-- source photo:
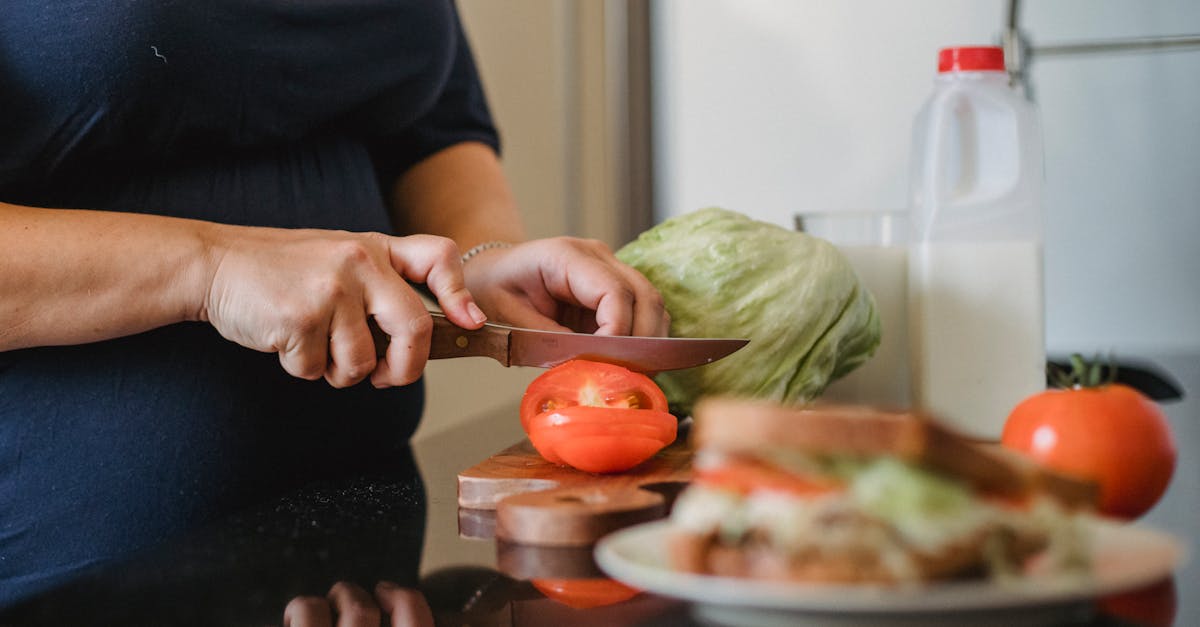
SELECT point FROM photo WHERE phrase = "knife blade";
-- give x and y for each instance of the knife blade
(515, 346)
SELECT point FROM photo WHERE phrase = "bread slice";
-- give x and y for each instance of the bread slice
(744, 426)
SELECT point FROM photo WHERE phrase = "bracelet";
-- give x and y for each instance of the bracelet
(478, 248)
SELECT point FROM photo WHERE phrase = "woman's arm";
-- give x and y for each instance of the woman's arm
(561, 283)
(71, 277)
(461, 193)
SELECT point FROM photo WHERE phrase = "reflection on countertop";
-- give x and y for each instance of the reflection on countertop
(403, 526)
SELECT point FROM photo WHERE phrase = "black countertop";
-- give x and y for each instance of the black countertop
(402, 524)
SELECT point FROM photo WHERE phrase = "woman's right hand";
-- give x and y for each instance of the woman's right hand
(354, 607)
(308, 294)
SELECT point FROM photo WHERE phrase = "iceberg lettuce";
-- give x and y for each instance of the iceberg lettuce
(721, 274)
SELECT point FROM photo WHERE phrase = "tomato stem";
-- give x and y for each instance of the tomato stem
(1083, 373)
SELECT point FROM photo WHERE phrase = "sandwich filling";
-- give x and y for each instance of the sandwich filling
(890, 520)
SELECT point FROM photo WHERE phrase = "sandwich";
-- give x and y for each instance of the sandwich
(850, 494)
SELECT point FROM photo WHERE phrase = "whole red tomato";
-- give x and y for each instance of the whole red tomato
(596, 417)
(1110, 434)
(1154, 605)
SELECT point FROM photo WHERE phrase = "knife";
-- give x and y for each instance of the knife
(515, 346)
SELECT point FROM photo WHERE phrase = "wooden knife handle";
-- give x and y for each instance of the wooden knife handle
(450, 340)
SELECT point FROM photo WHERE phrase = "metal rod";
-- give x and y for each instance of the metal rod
(1117, 45)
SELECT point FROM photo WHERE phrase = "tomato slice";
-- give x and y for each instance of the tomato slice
(598, 439)
(597, 420)
(549, 442)
(592, 384)
(585, 593)
(607, 453)
(745, 476)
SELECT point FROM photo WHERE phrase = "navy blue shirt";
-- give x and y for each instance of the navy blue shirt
(288, 113)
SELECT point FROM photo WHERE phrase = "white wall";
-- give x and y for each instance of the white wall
(773, 107)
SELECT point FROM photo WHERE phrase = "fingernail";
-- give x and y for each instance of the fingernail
(476, 313)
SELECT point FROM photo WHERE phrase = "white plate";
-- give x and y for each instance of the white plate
(1123, 557)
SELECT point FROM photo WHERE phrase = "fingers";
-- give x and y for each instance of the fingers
(570, 284)
(307, 612)
(355, 608)
(400, 314)
(407, 607)
(650, 316)
(435, 262)
(351, 348)
(624, 301)
(305, 353)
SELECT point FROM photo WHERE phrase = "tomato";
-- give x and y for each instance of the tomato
(746, 476)
(600, 439)
(596, 417)
(585, 593)
(591, 383)
(1154, 605)
(1110, 434)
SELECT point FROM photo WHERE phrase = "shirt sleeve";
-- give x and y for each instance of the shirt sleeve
(460, 114)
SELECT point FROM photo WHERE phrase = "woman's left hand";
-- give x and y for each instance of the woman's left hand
(565, 284)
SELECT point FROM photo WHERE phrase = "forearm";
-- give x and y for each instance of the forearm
(71, 277)
(461, 193)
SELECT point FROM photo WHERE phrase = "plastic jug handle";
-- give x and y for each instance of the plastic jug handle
(935, 133)
(941, 115)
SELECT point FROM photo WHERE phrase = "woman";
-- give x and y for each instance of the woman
(192, 241)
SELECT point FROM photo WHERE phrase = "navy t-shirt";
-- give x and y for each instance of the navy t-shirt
(288, 113)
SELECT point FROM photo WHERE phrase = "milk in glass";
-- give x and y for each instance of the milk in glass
(884, 378)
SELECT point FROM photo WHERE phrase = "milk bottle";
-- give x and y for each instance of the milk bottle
(976, 319)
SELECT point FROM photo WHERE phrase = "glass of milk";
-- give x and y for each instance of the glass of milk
(876, 244)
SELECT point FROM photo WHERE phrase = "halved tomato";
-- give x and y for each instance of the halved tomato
(596, 417)
(593, 384)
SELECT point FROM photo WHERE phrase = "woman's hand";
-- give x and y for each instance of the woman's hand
(404, 607)
(308, 295)
(566, 284)
(561, 283)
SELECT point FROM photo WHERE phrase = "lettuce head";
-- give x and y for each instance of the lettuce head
(721, 274)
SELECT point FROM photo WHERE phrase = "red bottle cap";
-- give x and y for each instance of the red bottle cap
(971, 59)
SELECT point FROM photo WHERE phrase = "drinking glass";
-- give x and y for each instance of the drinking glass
(875, 243)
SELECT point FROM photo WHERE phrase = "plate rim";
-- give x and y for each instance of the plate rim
(959, 596)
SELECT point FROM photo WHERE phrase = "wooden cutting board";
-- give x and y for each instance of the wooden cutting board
(544, 504)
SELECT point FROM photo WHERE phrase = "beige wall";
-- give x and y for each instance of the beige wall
(548, 69)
